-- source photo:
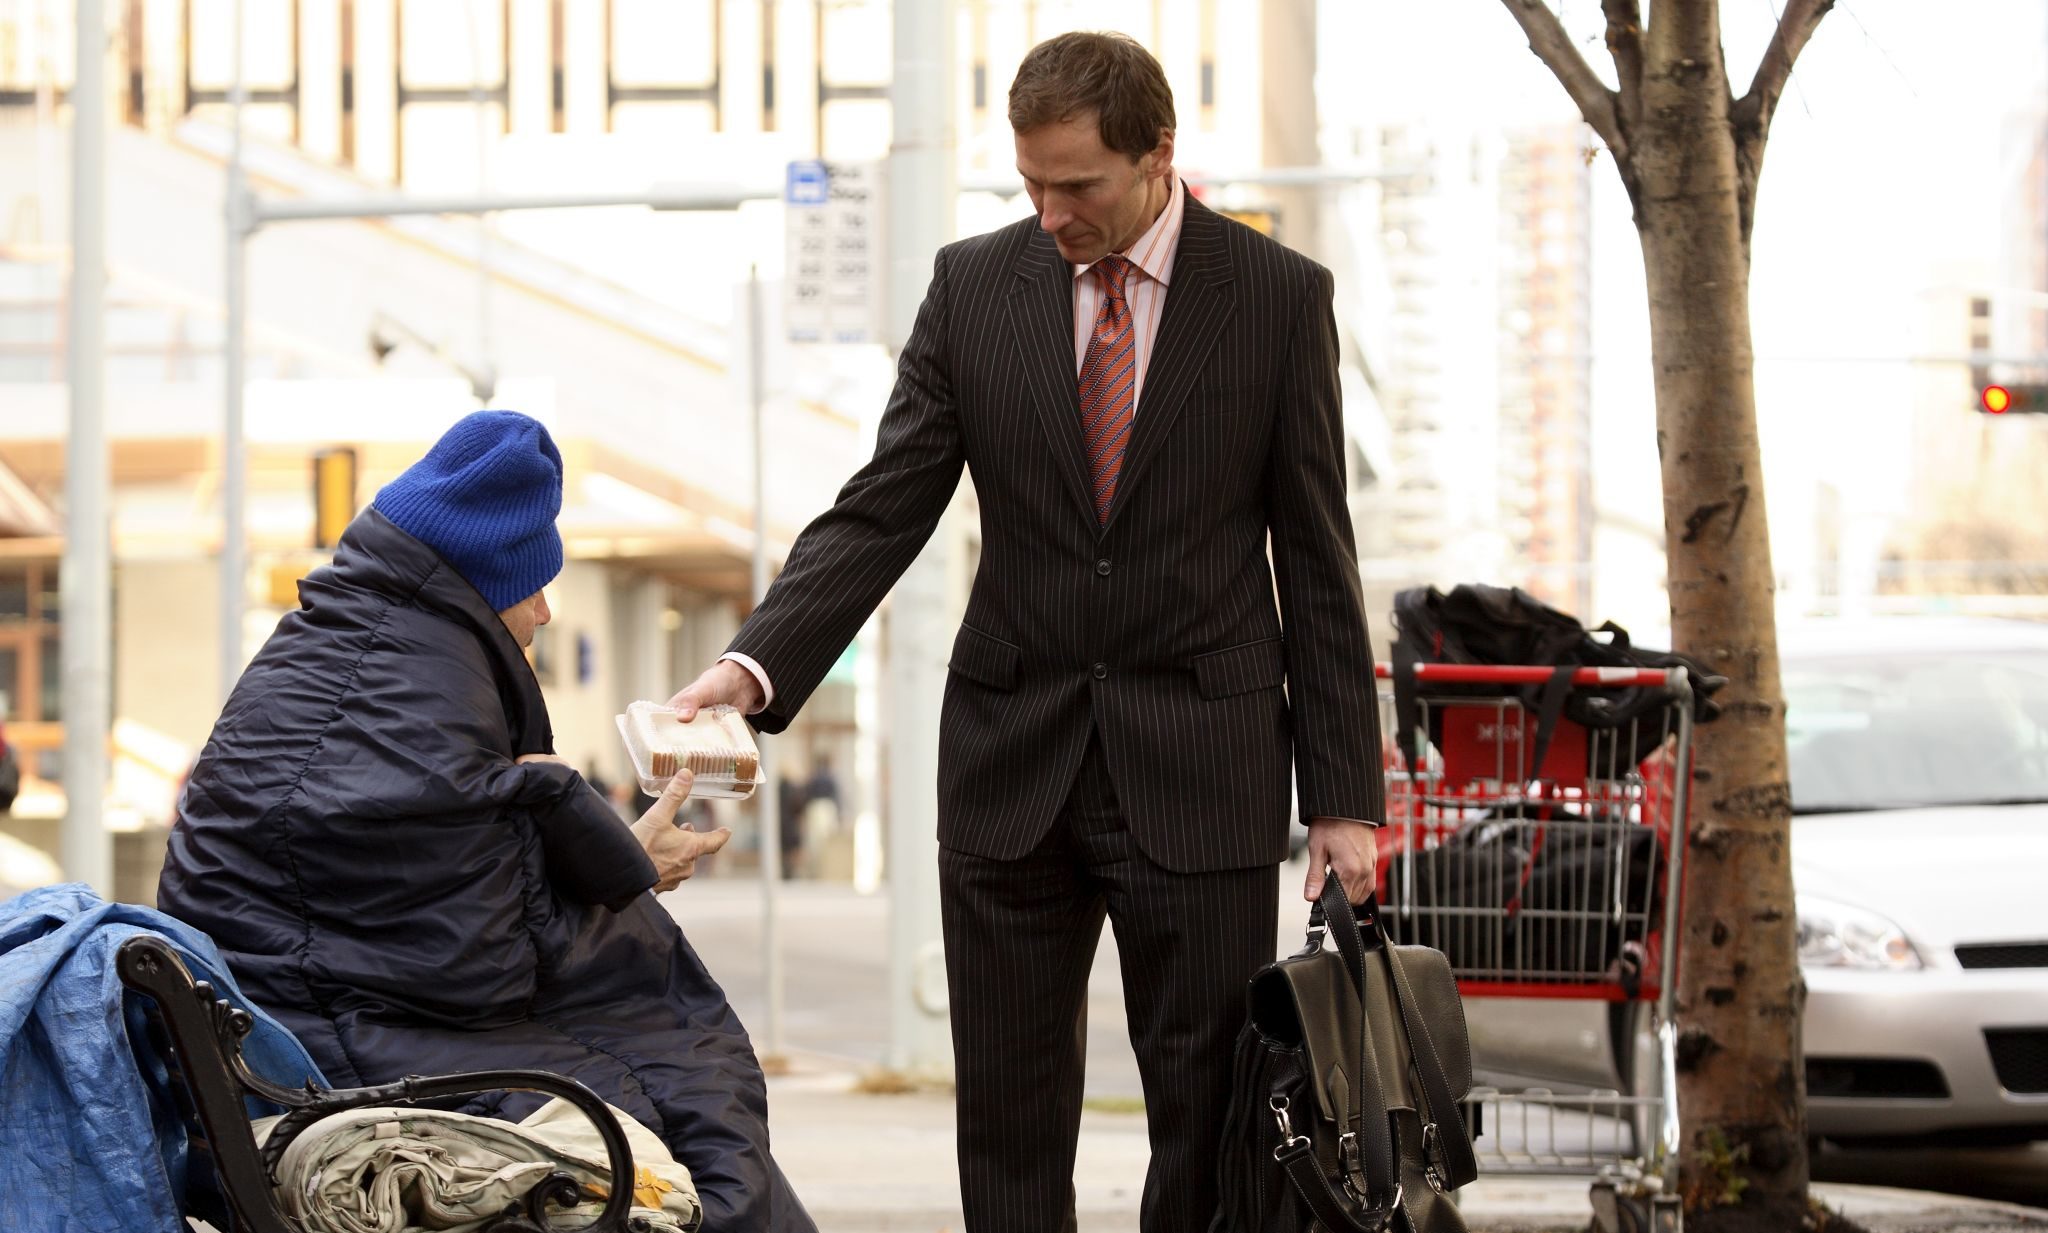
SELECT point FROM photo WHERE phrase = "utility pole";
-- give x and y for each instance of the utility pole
(234, 460)
(768, 795)
(921, 203)
(86, 585)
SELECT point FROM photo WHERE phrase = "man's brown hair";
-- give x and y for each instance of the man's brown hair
(1111, 75)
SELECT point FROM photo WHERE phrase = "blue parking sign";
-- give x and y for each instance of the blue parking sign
(809, 183)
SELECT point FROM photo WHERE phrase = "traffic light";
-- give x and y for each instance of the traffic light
(334, 494)
(2014, 398)
(1980, 343)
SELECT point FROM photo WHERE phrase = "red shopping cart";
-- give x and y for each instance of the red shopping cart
(1544, 860)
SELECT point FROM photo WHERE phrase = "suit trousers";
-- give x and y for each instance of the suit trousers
(1020, 938)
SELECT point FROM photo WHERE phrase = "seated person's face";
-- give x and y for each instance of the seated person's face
(526, 616)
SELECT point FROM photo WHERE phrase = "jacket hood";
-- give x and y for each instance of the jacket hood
(377, 556)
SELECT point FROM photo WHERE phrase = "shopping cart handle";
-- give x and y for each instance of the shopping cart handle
(1538, 674)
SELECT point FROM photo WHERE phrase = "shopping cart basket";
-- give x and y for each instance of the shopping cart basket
(1558, 880)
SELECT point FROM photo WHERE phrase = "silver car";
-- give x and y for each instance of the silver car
(1919, 753)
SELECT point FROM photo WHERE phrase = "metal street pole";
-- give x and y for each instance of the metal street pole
(86, 582)
(921, 201)
(767, 797)
(397, 205)
(234, 464)
(1317, 176)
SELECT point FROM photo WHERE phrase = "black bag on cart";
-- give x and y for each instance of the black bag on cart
(1345, 1099)
(1451, 897)
(1478, 624)
(1543, 894)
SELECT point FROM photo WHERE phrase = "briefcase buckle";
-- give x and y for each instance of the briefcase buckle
(1432, 1159)
(1291, 1144)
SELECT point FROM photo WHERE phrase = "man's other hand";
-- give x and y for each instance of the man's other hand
(723, 682)
(1347, 847)
(673, 849)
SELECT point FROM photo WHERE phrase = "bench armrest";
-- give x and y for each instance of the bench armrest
(205, 1036)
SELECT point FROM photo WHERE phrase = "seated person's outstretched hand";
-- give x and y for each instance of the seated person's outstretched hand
(674, 849)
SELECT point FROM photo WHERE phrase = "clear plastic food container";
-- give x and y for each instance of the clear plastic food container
(716, 747)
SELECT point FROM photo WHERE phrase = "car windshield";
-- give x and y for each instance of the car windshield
(1917, 728)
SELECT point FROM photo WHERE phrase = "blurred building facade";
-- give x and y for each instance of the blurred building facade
(1978, 534)
(1546, 341)
(2023, 322)
(1440, 508)
(1488, 388)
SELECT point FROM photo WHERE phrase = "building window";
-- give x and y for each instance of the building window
(30, 663)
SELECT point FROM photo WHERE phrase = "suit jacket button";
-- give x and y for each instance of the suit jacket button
(1102, 567)
(1101, 671)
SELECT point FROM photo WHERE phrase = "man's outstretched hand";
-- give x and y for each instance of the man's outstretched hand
(674, 849)
(1348, 847)
(723, 682)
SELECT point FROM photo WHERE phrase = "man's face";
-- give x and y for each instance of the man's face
(1092, 200)
(526, 616)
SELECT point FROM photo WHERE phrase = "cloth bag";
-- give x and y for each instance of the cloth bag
(1349, 1072)
(403, 1170)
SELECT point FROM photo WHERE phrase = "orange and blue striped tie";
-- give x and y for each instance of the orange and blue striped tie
(1109, 378)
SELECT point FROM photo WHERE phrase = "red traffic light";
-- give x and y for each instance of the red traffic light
(2013, 398)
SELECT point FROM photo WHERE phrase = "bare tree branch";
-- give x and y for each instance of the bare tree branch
(1625, 44)
(1597, 103)
(1801, 18)
(1751, 114)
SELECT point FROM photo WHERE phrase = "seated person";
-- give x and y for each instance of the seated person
(394, 864)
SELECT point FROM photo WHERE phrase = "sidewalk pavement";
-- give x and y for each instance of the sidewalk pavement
(872, 1163)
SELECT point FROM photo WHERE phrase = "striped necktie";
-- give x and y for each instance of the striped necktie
(1108, 384)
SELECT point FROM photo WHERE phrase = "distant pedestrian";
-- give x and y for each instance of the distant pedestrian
(823, 785)
(789, 808)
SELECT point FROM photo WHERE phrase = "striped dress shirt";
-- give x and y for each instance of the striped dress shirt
(1151, 257)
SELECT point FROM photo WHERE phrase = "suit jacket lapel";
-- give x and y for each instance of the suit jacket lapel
(1041, 312)
(1198, 302)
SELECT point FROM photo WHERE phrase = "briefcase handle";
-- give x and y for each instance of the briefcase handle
(1365, 913)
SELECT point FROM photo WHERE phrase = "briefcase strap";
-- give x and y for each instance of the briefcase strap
(1446, 1153)
(1367, 1153)
(1446, 1157)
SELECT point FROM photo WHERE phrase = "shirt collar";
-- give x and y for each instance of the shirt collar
(1154, 251)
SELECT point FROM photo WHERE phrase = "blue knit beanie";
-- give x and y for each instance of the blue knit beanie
(485, 498)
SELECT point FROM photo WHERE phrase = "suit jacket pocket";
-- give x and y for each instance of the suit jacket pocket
(1241, 669)
(985, 658)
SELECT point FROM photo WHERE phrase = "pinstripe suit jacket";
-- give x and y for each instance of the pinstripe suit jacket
(1162, 628)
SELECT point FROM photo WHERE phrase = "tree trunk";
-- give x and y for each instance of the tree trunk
(1740, 992)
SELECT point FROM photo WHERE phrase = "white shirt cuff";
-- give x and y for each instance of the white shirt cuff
(760, 676)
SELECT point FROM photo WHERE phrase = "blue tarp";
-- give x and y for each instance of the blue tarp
(88, 1140)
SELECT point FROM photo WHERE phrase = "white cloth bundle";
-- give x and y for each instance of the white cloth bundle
(398, 1170)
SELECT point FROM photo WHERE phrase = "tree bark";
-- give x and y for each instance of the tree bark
(1689, 154)
(1740, 991)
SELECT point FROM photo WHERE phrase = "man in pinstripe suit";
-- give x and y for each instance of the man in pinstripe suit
(1146, 394)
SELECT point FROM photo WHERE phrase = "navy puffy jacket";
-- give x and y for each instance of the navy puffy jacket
(383, 877)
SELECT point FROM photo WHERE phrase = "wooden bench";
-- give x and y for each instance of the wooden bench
(200, 1037)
